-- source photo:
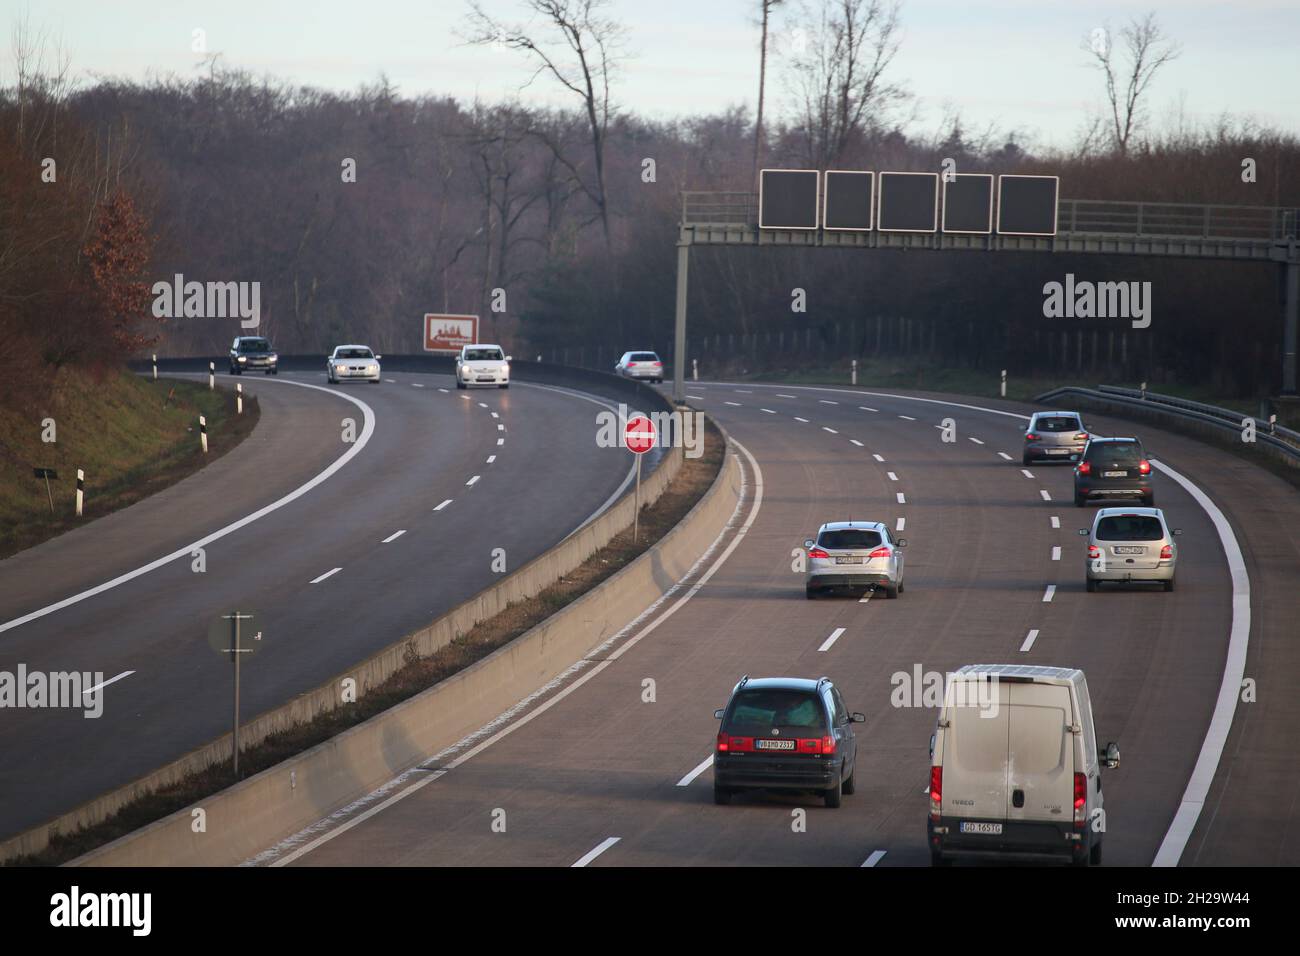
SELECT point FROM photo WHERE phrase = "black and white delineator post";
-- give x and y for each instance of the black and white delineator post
(236, 651)
(239, 398)
(212, 376)
(155, 368)
(1002, 389)
(81, 490)
(203, 433)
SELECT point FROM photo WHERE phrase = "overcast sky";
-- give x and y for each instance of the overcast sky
(1013, 63)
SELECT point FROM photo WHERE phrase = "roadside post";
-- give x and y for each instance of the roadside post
(155, 368)
(1003, 388)
(639, 436)
(81, 490)
(239, 398)
(203, 433)
(854, 380)
(212, 376)
(231, 634)
(47, 474)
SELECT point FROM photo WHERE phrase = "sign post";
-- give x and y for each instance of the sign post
(47, 474)
(639, 435)
(229, 639)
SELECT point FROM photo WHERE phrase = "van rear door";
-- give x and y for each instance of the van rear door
(1040, 754)
(975, 750)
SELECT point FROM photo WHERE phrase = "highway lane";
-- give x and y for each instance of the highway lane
(479, 450)
(602, 764)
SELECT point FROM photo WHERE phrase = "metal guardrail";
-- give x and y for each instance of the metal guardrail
(1282, 439)
(1074, 217)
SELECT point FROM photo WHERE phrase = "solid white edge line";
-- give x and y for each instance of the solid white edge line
(1029, 641)
(597, 851)
(830, 641)
(705, 765)
(367, 430)
(877, 855)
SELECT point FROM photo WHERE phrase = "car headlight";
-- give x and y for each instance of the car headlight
(372, 368)
(506, 368)
(272, 357)
(242, 358)
(340, 368)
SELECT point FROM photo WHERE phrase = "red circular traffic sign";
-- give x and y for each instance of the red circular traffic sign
(639, 434)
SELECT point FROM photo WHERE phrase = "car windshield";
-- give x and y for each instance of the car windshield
(643, 357)
(483, 355)
(254, 345)
(1115, 451)
(1129, 528)
(849, 539)
(766, 709)
(1058, 423)
(353, 353)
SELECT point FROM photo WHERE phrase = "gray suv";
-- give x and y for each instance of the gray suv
(252, 353)
(1056, 436)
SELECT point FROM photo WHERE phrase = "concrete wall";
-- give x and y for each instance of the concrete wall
(282, 800)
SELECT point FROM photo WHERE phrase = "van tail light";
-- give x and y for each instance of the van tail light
(724, 743)
(1085, 468)
(735, 745)
(818, 553)
(1094, 552)
(1030, 436)
(1167, 552)
(881, 552)
(936, 792)
(828, 744)
(1080, 798)
(1144, 467)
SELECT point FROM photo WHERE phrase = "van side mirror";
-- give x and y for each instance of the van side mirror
(902, 542)
(717, 714)
(1110, 756)
(932, 746)
(858, 718)
(808, 544)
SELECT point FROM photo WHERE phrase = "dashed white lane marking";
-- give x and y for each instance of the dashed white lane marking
(908, 418)
(501, 441)
(698, 398)
(780, 395)
(444, 391)
(768, 410)
(902, 523)
(1005, 455)
(866, 598)
(102, 684)
(592, 854)
(443, 505)
(1051, 591)
(835, 636)
(858, 443)
(1043, 492)
(868, 408)
(831, 430)
(326, 575)
(501, 428)
(878, 855)
(482, 404)
(1029, 641)
(491, 458)
(892, 476)
(877, 457)
(467, 398)
(735, 404)
(416, 385)
(1056, 553)
(798, 419)
(394, 536)
(975, 440)
(471, 481)
(705, 765)
(745, 391)
(391, 381)
(1026, 472)
(827, 401)
(1056, 521)
(495, 415)
(901, 499)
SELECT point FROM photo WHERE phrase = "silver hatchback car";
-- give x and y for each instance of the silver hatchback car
(1057, 436)
(1131, 544)
(854, 554)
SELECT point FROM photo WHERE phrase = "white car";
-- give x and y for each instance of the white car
(640, 365)
(482, 365)
(1131, 545)
(351, 362)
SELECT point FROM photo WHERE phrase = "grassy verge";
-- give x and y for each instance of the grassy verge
(686, 489)
(131, 436)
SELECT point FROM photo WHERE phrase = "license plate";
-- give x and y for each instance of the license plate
(848, 560)
(1123, 550)
(774, 745)
(1114, 474)
(1058, 451)
(991, 828)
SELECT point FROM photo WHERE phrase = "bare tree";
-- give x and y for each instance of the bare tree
(582, 59)
(1148, 50)
(839, 79)
(765, 13)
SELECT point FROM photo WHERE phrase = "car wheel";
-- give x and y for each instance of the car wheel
(809, 593)
(850, 785)
(1094, 855)
(507, 385)
(1080, 501)
(269, 372)
(1026, 460)
(1090, 586)
(460, 384)
(891, 593)
(900, 587)
(834, 796)
(1169, 585)
(1081, 859)
(1149, 501)
(938, 859)
(721, 795)
(374, 381)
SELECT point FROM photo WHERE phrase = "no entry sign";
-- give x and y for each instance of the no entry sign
(639, 434)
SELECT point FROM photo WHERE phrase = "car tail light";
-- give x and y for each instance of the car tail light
(1030, 436)
(881, 552)
(818, 553)
(1094, 551)
(1167, 552)
(659, 364)
(936, 792)
(828, 745)
(724, 743)
(1144, 467)
(1080, 797)
(735, 745)
(1085, 468)
(1082, 436)
(630, 364)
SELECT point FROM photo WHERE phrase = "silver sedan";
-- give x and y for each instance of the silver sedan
(854, 554)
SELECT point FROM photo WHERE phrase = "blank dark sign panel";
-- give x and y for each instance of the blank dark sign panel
(847, 200)
(968, 203)
(787, 198)
(909, 202)
(1027, 205)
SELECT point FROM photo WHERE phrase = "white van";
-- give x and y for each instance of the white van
(1014, 766)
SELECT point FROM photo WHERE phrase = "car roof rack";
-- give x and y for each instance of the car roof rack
(743, 681)
(823, 680)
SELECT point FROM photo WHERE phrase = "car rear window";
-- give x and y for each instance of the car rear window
(483, 355)
(776, 708)
(1058, 423)
(849, 539)
(643, 357)
(1114, 451)
(254, 345)
(1129, 528)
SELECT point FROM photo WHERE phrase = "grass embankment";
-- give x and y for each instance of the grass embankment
(131, 436)
(419, 674)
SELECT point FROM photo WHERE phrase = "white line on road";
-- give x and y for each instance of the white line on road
(867, 408)
(1056, 521)
(901, 499)
(1029, 642)
(831, 430)
(444, 391)
(327, 574)
(698, 398)
(745, 391)
(975, 440)
(482, 404)
(391, 381)
(780, 395)
(878, 855)
(877, 457)
(867, 596)
(768, 410)
(798, 419)
(443, 505)
(1005, 455)
(592, 854)
(858, 443)
(103, 684)
(1049, 593)
(1043, 492)
(1026, 472)
(491, 458)
(827, 401)
(394, 536)
(501, 427)
(892, 476)
(501, 441)
(736, 404)
(471, 481)
(902, 523)
(416, 385)
(495, 415)
(908, 418)
(1056, 552)
(835, 636)
(686, 780)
